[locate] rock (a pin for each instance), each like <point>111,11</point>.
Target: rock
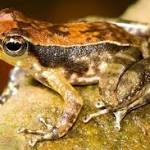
<point>33,99</point>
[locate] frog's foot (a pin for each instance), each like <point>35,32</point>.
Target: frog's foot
<point>49,134</point>
<point>120,114</point>
<point>90,116</point>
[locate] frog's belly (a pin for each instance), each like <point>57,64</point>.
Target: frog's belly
<point>87,80</point>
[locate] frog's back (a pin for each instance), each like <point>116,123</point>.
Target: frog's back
<point>89,33</point>
<point>68,34</point>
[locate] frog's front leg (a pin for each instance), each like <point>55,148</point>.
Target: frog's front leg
<point>13,84</point>
<point>73,103</point>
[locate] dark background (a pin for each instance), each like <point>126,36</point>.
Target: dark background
<point>60,11</point>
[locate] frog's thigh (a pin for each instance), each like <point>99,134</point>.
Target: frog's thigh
<point>133,89</point>
<point>15,76</point>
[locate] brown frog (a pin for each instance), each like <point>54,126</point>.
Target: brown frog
<point>115,55</point>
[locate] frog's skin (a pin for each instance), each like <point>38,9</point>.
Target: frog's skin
<point>114,55</point>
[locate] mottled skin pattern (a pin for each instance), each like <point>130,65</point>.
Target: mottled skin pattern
<point>43,33</point>
<point>78,53</point>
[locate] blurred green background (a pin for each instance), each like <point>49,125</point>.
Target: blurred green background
<point>60,11</point>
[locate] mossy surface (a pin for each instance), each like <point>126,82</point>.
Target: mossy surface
<point>99,134</point>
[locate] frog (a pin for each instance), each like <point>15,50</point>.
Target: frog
<point>112,54</point>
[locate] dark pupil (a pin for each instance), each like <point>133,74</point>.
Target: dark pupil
<point>13,46</point>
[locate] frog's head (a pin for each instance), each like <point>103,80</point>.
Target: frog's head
<point>17,34</point>
<point>14,44</point>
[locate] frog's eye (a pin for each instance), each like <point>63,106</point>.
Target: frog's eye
<point>15,45</point>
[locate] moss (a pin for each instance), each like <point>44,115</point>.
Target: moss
<point>22,110</point>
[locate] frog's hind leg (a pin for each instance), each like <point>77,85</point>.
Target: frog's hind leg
<point>133,90</point>
<point>13,84</point>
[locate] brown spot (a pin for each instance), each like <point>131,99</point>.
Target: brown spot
<point>23,24</point>
<point>79,68</point>
<point>59,30</point>
<point>88,39</point>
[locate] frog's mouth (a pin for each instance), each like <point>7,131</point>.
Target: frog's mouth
<point>6,58</point>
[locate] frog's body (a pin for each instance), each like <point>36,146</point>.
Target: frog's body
<point>79,53</point>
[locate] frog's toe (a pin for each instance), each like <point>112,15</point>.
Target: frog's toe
<point>87,118</point>
<point>46,122</point>
<point>42,138</point>
<point>33,142</point>
<point>119,115</point>
<point>29,131</point>
<point>90,116</point>
<point>100,104</point>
